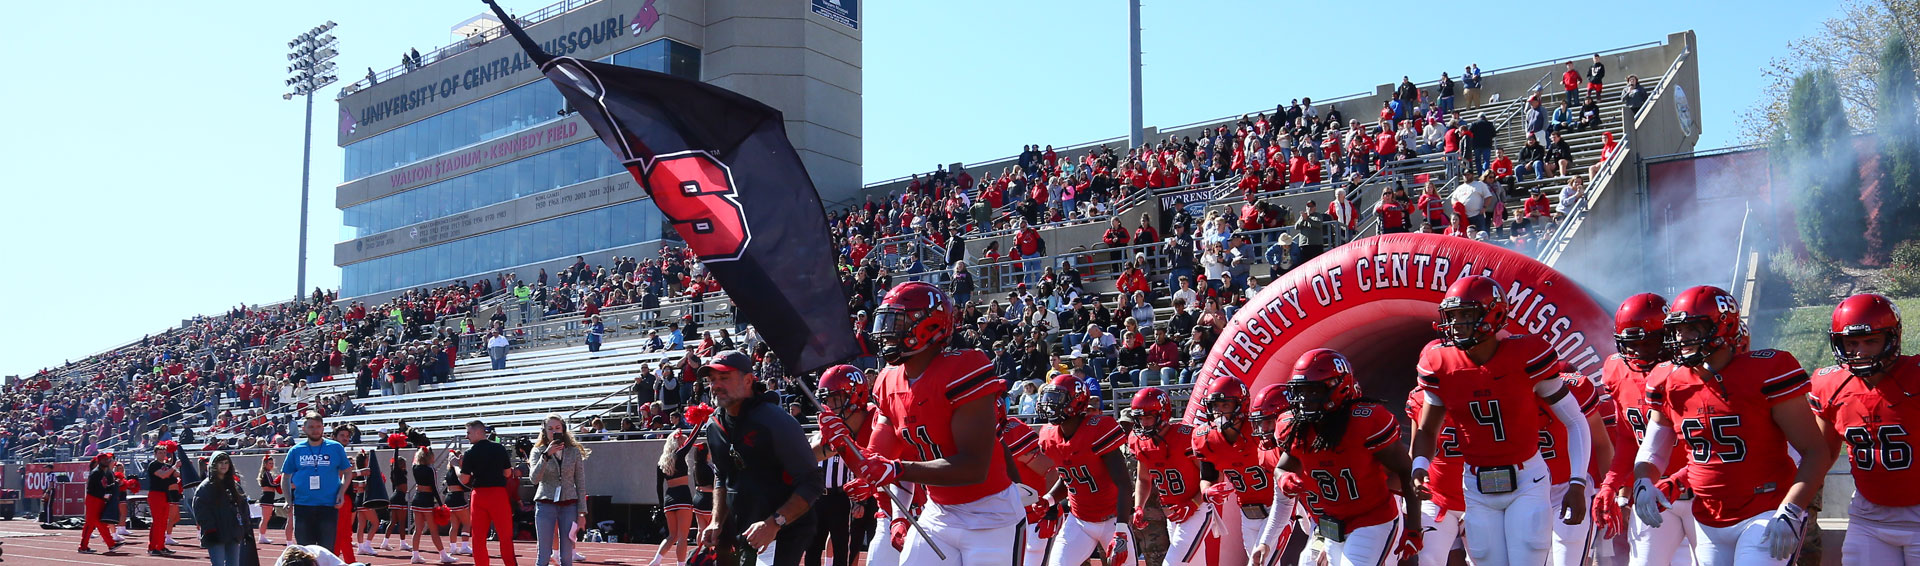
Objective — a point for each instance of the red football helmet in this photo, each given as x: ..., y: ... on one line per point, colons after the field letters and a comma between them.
x: 1268, y: 406
x: 1703, y: 305
x: 1062, y: 398
x: 1150, y: 402
x: 1473, y: 293
x: 1226, y: 389
x: 1863, y: 315
x: 1322, y: 381
x: 1638, y: 330
x: 912, y: 318
x: 847, y: 383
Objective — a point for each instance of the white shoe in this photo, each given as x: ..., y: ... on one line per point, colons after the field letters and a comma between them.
x: 171, y: 541
x: 578, y: 557
x: 417, y: 559
x: 466, y: 548
x: 447, y: 558
x: 656, y: 559
x: 386, y: 544
x: 366, y: 547
x: 121, y: 531
x: 407, y: 546
x: 265, y: 540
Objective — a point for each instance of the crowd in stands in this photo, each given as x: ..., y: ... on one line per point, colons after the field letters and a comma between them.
x: 1033, y: 319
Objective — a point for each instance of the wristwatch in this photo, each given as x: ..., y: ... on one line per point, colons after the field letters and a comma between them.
x: 779, y: 520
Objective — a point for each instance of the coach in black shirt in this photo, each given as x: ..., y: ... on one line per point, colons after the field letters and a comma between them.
x: 765, y: 463
x: 484, y: 469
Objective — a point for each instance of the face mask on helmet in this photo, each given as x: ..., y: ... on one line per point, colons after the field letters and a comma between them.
x: 1640, y: 349
x: 1864, y: 353
x: 836, y: 401
x: 1690, y: 341
x: 1264, y: 425
x: 1224, y: 413
x: 1463, y: 326
x: 1309, y: 400
x: 1054, y: 405
x: 893, y: 328
x: 1145, y: 421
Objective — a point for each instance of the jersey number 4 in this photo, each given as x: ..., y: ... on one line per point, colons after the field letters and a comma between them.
x: 1714, y: 438
x: 1488, y: 415
x: 1081, y: 475
x: 1884, y: 442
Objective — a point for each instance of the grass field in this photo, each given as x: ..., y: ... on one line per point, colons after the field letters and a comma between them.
x: 1803, y: 332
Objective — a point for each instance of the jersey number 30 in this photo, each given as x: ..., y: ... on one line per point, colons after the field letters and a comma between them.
x: 696, y: 193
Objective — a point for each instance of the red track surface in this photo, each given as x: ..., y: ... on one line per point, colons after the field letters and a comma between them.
x: 24, y: 543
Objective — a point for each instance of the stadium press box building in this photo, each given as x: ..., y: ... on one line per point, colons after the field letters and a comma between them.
x: 468, y: 164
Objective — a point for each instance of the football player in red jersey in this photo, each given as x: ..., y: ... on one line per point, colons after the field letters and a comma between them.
x: 1493, y: 382
x: 1086, y: 448
x: 1264, y: 413
x: 1346, y: 446
x: 1035, y: 472
x: 925, y: 396
x: 1164, y: 449
x: 1443, y: 503
x: 846, y: 408
x: 1864, y: 404
x: 1738, y: 411
x: 1231, y: 477
x: 1572, y: 543
x: 1639, y: 330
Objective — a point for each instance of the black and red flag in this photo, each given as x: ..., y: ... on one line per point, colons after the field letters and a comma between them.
x: 720, y: 168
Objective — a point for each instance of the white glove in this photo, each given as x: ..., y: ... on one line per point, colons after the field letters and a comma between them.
x: 1783, y: 532
x: 1648, y: 502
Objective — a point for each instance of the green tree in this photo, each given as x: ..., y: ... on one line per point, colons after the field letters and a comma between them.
x: 1815, y: 150
x: 1850, y: 45
x: 1899, y: 136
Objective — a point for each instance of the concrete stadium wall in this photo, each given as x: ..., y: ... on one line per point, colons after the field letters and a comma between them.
x: 1600, y: 257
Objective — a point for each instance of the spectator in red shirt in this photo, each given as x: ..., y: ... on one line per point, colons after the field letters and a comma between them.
x: 1146, y: 234
x: 1163, y: 357
x: 1571, y: 81
x: 1502, y: 168
x: 1027, y: 241
x: 1538, y: 212
x: 1432, y: 207
x: 1393, y: 215
x: 1134, y: 279
x: 1116, y: 237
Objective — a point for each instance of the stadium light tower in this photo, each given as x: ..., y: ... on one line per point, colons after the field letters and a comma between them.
x: 311, y: 68
x: 1136, y: 132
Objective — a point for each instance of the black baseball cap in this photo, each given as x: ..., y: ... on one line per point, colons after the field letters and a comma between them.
x: 731, y: 360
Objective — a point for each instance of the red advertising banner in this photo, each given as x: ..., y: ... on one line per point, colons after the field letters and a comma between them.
x: 36, y: 477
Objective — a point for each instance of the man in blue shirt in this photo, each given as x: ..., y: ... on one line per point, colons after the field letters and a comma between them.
x: 317, y: 471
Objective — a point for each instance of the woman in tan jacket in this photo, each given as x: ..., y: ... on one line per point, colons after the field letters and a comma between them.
x: 559, y: 476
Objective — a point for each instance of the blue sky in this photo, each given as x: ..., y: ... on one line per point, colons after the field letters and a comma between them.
x: 155, y: 169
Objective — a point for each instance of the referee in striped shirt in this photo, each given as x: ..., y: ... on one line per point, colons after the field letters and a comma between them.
x: 839, y: 520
